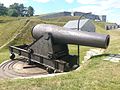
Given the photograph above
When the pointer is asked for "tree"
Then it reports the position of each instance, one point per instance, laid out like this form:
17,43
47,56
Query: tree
14,6
13,12
21,10
30,11
3,9
16,9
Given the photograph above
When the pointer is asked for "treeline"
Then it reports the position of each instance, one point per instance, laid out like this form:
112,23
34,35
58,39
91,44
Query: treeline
16,10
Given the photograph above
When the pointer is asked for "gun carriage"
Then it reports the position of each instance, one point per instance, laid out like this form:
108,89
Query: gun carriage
50,47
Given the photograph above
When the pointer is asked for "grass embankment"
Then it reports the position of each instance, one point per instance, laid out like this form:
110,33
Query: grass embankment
94,75
8,27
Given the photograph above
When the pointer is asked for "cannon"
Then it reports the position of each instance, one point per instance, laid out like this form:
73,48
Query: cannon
50,46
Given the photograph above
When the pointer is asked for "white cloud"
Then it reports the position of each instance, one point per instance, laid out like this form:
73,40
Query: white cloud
9,2
42,1
87,1
114,17
93,9
101,3
69,1
101,7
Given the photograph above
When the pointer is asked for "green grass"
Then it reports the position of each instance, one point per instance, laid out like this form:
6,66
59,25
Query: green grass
8,30
4,55
96,74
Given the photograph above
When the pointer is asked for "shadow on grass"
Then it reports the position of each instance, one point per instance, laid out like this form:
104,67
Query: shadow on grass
100,56
110,55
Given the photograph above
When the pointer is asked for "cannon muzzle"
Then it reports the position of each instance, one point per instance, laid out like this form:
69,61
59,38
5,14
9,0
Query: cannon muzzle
67,36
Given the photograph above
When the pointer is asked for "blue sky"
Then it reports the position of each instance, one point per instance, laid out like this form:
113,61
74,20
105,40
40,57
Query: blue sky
111,8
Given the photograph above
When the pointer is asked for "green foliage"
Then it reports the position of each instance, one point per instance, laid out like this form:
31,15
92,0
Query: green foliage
13,12
16,9
3,9
30,11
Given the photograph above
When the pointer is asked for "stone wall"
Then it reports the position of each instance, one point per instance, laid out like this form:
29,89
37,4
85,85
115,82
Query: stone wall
111,26
87,15
55,15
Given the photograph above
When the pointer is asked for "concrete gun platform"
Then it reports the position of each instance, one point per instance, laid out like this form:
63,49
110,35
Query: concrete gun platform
20,68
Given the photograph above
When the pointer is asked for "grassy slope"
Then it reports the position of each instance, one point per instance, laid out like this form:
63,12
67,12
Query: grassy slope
9,28
95,75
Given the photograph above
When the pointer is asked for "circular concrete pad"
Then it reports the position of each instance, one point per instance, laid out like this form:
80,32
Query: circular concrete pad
20,68
23,67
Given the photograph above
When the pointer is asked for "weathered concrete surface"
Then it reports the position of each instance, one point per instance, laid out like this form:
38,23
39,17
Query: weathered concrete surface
113,58
20,68
93,52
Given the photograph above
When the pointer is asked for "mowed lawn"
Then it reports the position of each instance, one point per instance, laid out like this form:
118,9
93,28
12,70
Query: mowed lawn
96,74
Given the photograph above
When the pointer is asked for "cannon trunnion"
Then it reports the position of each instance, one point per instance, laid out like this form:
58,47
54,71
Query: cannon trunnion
50,47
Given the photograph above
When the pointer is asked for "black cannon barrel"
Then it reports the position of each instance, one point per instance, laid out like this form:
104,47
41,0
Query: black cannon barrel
68,36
